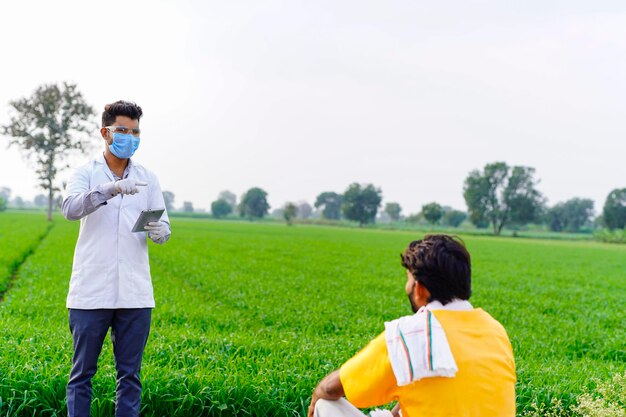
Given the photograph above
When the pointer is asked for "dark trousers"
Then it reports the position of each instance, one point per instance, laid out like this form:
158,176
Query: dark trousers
129,333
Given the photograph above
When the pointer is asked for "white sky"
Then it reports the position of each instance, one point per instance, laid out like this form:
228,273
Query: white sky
300,97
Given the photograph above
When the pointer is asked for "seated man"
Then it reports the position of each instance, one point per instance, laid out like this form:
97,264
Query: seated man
448,359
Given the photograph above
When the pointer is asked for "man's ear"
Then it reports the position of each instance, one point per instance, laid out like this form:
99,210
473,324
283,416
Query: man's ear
416,289
103,132
421,292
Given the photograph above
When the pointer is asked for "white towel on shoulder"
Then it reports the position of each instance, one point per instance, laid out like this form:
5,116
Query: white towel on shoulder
418,348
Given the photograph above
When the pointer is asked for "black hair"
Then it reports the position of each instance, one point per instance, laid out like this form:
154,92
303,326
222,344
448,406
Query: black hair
120,108
441,263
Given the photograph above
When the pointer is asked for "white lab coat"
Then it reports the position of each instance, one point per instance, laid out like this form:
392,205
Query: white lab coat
111,267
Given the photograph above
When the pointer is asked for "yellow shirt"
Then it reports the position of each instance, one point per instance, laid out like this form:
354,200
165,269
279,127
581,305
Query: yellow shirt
484,386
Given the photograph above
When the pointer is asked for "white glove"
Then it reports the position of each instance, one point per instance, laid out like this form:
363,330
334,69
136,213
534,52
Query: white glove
159,232
129,186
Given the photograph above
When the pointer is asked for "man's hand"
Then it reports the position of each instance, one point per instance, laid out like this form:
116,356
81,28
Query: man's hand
129,186
329,388
159,231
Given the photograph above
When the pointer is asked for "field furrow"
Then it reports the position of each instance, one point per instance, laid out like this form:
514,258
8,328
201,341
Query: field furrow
19,236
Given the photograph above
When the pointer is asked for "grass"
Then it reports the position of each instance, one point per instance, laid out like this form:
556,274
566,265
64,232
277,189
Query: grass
19,236
250,316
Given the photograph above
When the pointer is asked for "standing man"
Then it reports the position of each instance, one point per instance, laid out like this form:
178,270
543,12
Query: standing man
448,359
111,285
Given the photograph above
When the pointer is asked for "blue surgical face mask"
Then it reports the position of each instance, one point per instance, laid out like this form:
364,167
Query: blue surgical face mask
124,145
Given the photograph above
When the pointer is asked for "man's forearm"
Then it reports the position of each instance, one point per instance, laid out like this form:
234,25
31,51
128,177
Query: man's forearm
77,206
329,388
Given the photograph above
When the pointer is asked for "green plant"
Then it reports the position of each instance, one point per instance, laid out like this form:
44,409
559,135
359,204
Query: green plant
609,400
553,409
250,316
610,236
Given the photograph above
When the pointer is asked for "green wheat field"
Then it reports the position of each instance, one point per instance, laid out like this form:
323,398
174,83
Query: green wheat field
250,316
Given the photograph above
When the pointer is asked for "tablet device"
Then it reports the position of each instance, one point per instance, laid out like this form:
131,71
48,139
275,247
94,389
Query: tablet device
147,216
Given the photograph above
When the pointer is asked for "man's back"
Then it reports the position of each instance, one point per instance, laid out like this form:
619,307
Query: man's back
484,385
448,359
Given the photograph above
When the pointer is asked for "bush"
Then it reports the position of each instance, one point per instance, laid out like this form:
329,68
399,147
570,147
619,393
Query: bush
610,400
554,409
454,218
3,204
610,236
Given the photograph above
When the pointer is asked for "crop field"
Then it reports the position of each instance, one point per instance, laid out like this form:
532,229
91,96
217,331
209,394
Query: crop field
250,316
19,235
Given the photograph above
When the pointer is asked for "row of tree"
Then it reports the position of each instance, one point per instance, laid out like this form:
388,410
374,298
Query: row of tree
56,121
357,203
500,195
496,196
40,200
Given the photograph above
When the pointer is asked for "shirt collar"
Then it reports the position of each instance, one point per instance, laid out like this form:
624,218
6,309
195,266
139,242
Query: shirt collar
454,305
100,159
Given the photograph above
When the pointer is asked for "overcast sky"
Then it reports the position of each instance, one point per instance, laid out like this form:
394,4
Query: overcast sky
300,97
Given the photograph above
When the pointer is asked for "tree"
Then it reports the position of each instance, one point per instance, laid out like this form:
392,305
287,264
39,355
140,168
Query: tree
361,203
454,218
58,201
220,208
393,211
598,222
5,192
3,204
229,197
502,195
414,218
168,198
18,202
49,126
278,213
571,215
40,200
614,212
432,212
330,203
290,211
188,207
254,204
304,210
555,218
